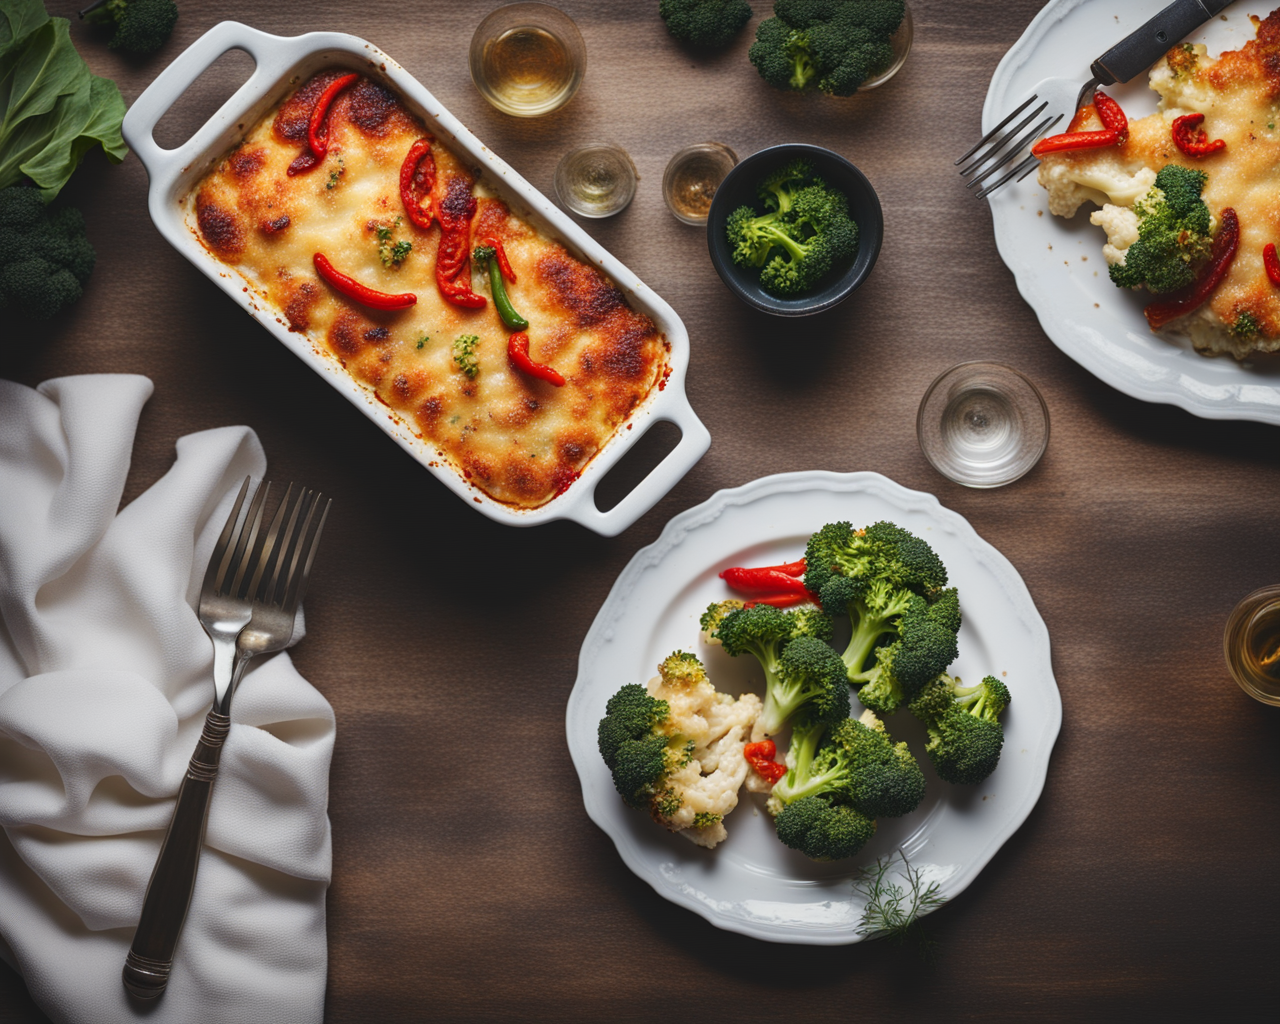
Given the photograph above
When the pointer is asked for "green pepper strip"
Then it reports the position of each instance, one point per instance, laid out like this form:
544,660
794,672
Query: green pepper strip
501,301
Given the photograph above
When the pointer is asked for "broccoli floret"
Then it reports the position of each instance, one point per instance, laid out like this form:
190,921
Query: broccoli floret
822,830
1246,325
779,187
925,645
1173,234
464,354
638,755
810,676
887,780
965,735
713,616
835,45
883,550
705,24
45,258
141,26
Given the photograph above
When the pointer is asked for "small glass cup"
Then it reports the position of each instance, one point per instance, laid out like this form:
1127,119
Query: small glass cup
901,43
982,424
692,177
597,180
527,59
1251,643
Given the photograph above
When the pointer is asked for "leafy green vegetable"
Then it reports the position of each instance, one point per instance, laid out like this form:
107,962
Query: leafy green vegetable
892,910
54,109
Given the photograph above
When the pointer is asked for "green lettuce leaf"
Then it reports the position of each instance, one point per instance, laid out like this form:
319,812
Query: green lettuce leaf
54,108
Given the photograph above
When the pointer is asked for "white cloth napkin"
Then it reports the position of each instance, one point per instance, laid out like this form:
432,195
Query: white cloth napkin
105,679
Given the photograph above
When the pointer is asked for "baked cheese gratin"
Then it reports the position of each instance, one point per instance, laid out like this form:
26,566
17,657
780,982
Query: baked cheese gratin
357,227
1214,276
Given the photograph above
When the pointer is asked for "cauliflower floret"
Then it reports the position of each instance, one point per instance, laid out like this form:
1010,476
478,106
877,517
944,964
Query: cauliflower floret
1121,225
700,792
1178,80
1100,180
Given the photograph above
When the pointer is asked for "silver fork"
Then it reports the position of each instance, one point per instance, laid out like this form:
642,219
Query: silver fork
248,604
1123,62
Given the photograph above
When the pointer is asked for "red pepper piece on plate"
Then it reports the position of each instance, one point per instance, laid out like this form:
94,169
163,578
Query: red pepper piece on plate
353,289
1225,243
1076,140
1271,262
518,353
780,600
1111,116
417,179
1193,140
453,258
764,582
761,757
317,143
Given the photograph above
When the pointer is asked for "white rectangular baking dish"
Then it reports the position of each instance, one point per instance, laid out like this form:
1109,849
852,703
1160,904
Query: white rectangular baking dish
280,62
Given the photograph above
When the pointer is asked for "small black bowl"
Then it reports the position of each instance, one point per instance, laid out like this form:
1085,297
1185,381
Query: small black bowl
739,189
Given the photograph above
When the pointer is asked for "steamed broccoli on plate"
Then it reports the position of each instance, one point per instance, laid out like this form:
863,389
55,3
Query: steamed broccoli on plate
705,24
675,748
804,232
963,723
1168,233
831,45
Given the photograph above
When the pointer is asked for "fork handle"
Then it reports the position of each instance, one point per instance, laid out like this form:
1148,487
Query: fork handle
146,968
1140,49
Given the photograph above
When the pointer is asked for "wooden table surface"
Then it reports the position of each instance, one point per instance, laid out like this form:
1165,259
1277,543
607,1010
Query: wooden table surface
468,883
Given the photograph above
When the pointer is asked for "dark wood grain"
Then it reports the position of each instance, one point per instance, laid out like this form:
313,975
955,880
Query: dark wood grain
469,885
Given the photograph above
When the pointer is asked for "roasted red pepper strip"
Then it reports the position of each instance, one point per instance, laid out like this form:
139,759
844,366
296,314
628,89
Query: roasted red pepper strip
1271,262
503,263
417,179
780,600
761,757
1076,140
518,353
796,568
1225,243
765,582
1111,116
317,144
1194,141
453,258
353,289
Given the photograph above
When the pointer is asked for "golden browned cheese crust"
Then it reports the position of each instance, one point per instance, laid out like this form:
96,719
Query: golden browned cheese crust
519,440
1239,94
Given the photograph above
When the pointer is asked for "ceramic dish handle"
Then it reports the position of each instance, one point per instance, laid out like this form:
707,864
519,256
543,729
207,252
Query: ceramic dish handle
693,444
271,56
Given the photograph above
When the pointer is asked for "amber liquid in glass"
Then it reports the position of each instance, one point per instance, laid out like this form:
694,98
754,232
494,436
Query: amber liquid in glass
694,186
528,68
1262,643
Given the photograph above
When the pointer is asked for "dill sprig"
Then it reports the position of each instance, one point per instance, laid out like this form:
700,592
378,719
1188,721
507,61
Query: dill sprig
896,912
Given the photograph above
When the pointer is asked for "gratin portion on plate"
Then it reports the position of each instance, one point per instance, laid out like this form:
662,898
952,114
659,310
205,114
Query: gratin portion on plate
520,439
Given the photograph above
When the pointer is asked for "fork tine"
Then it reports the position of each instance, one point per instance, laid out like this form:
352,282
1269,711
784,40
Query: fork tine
272,593
268,544
217,558
234,556
298,585
1014,151
1003,141
1026,167
996,130
244,547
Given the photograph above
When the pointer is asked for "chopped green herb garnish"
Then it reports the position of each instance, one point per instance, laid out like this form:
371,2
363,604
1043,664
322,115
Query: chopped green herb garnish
423,340
464,354
336,173
391,253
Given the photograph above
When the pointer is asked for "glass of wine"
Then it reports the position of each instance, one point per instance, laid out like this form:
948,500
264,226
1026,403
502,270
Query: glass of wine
1251,643
982,424
527,59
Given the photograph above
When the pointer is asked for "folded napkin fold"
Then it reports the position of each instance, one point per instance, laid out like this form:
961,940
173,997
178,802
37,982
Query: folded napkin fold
105,679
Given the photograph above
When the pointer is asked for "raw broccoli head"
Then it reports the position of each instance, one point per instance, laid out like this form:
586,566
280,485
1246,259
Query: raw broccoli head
822,830
885,780
705,24
45,258
835,45
965,736
141,26
809,676
1173,234
639,756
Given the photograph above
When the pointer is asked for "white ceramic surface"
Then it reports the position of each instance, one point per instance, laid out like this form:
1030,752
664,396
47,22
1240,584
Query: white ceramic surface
1097,324
751,883
279,63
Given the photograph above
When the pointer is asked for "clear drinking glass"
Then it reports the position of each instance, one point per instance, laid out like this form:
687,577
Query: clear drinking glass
1251,643
692,177
982,424
901,43
527,59
597,180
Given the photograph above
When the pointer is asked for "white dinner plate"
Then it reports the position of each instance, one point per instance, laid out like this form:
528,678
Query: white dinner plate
1097,324
751,883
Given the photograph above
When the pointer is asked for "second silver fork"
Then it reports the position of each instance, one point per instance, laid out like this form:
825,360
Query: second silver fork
248,604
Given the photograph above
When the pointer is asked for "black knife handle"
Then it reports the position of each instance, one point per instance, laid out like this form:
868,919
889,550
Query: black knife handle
1139,50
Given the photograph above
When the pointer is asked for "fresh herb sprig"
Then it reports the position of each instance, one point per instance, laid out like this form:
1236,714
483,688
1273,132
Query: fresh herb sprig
893,911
